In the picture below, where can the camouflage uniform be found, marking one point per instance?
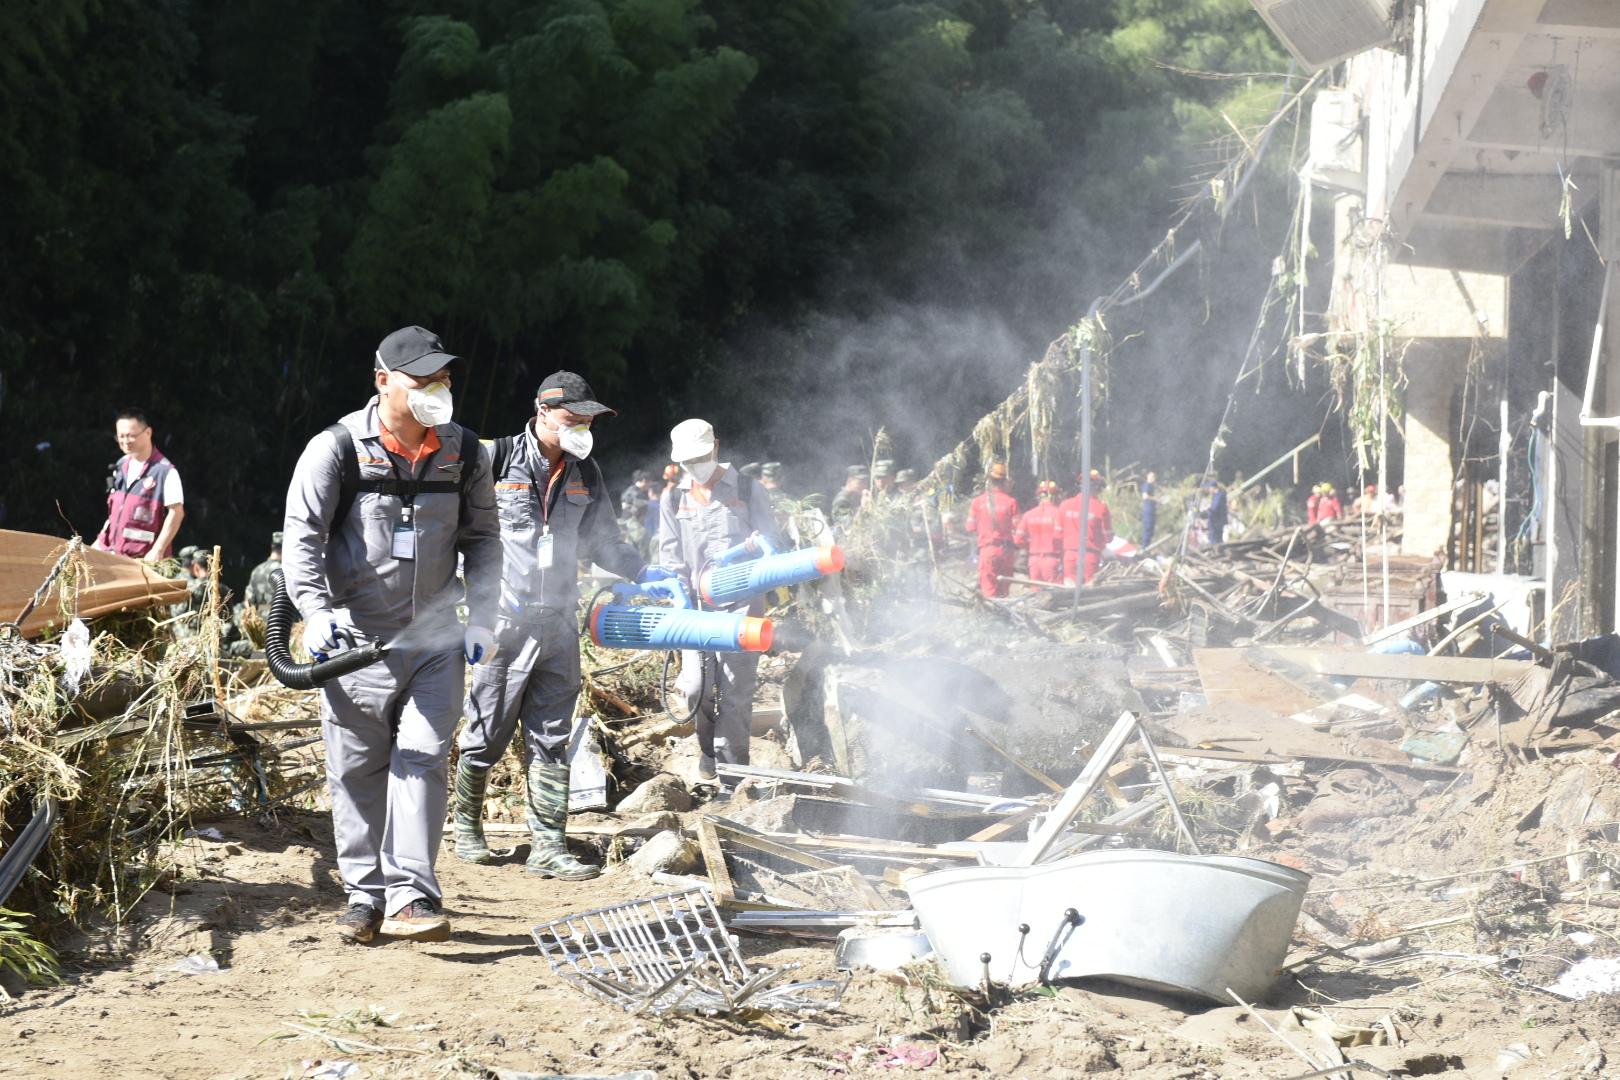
(259, 590)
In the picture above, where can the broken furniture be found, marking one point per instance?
(670, 954)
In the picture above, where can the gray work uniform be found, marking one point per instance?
(691, 534)
(388, 727)
(535, 672)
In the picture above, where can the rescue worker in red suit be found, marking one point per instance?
(1040, 532)
(992, 516)
(1329, 508)
(1099, 526)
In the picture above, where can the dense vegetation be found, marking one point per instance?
(215, 208)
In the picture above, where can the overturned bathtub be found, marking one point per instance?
(1186, 924)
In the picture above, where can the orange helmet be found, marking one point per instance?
(998, 471)
(1047, 487)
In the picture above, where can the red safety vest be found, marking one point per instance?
(135, 509)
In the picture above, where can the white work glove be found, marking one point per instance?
(320, 634)
(478, 645)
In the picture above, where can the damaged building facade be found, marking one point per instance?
(1469, 149)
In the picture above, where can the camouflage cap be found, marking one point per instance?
(185, 553)
(275, 539)
(752, 469)
(858, 472)
(905, 476)
(882, 468)
(772, 469)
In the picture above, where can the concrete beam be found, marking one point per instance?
(1511, 120)
(1489, 249)
(1581, 16)
(1526, 202)
(1466, 66)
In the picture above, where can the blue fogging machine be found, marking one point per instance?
(752, 568)
(648, 626)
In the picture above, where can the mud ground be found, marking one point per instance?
(261, 902)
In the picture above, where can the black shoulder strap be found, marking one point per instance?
(350, 484)
(349, 477)
(500, 455)
(469, 460)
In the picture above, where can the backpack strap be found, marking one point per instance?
(349, 477)
(500, 454)
(351, 484)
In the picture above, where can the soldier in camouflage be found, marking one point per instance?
(259, 590)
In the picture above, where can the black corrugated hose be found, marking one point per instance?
(278, 655)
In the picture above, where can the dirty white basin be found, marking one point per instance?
(1193, 924)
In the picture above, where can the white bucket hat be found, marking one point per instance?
(690, 440)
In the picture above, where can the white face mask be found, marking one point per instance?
(701, 471)
(431, 406)
(576, 441)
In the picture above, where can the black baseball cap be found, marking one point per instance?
(565, 390)
(414, 351)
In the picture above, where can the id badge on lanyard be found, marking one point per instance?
(543, 554)
(404, 542)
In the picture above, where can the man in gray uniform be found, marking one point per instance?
(555, 512)
(381, 504)
(715, 508)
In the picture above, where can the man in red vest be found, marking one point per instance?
(145, 502)
(992, 516)
(1040, 531)
(1097, 520)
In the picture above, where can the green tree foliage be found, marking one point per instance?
(216, 208)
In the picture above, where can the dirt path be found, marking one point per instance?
(261, 901)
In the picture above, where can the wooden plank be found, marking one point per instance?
(1397, 629)
(1004, 828)
(714, 861)
(1360, 665)
(1227, 676)
(1267, 759)
(833, 718)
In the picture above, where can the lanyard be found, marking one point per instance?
(549, 499)
(408, 501)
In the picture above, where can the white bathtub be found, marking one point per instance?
(1194, 924)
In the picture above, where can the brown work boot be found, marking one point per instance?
(359, 923)
(419, 920)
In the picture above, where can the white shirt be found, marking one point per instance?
(173, 493)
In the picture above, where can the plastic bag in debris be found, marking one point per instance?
(337, 1069)
(198, 964)
(75, 647)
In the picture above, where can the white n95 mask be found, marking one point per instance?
(701, 471)
(576, 441)
(431, 406)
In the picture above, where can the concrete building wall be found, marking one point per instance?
(1434, 367)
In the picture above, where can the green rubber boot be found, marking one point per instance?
(548, 814)
(471, 782)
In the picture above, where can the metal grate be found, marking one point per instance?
(670, 953)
